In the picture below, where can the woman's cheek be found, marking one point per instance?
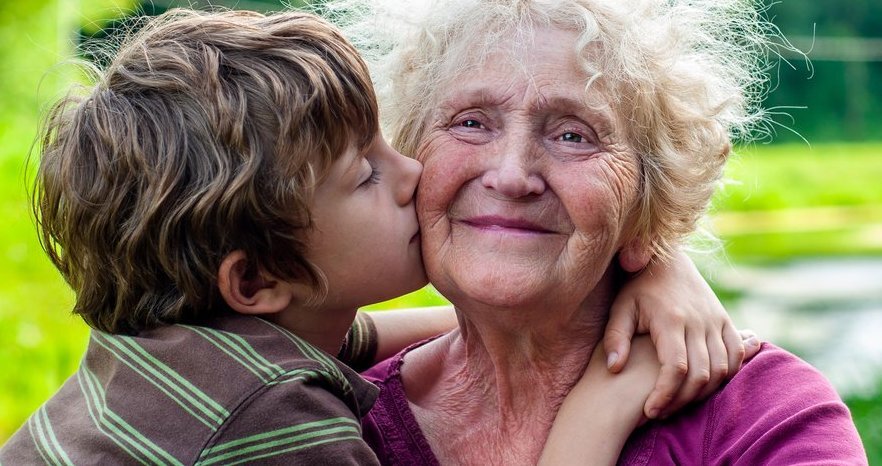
(430, 144)
(448, 165)
(435, 192)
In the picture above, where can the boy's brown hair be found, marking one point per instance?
(206, 133)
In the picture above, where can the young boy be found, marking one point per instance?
(222, 203)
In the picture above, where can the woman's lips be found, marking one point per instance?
(504, 224)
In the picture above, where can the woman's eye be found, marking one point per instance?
(572, 137)
(472, 127)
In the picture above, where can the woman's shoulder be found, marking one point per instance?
(775, 383)
(778, 409)
(388, 369)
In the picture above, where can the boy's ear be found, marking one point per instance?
(251, 293)
(634, 256)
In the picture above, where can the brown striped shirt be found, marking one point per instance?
(239, 390)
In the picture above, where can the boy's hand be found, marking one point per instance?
(602, 409)
(698, 346)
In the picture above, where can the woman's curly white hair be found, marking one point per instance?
(684, 77)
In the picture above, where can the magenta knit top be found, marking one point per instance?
(777, 410)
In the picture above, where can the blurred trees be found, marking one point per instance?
(842, 87)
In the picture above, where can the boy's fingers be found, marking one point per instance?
(720, 357)
(719, 365)
(698, 374)
(617, 337)
(674, 366)
(735, 348)
(751, 343)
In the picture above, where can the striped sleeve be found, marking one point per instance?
(360, 346)
(295, 421)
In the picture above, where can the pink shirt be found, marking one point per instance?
(777, 410)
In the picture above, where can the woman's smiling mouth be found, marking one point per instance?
(505, 225)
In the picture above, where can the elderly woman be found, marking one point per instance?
(563, 142)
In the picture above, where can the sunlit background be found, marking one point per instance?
(800, 219)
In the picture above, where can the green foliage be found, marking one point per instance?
(839, 98)
(425, 297)
(41, 343)
(833, 17)
(866, 412)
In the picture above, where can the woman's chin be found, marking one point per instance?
(510, 286)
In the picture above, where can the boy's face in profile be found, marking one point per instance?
(366, 235)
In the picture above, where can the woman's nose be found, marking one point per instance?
(512, 176)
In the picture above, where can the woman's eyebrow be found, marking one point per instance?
(595, 113)
(476, 96)
(570, 104)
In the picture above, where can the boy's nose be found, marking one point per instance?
(411, 170)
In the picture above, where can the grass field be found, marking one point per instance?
(793, 176)
(787, 201)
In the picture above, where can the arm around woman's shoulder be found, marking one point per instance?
(780, 410)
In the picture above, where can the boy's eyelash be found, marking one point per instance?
(374, 178)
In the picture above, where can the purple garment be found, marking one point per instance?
(777, 410)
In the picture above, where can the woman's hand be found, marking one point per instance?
(697, 344)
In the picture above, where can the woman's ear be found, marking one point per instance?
(249, 292)
(634, 256)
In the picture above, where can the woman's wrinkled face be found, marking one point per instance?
(526, 185)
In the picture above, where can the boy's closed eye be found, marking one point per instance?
(373, 176)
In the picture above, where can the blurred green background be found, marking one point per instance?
(800, 219)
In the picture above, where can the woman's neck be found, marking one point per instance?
(502, 377)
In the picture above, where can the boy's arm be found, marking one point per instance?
(602, 409)
(697, 344)
(399, 328)
(378, 335)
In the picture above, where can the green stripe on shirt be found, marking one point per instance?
(38, 445)
(115, 427)
(45, 438)
(180, 390)
(315, 354)
(93, 400)
(237, 348)
(355, 437)
(291, 438)
(299, 374)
